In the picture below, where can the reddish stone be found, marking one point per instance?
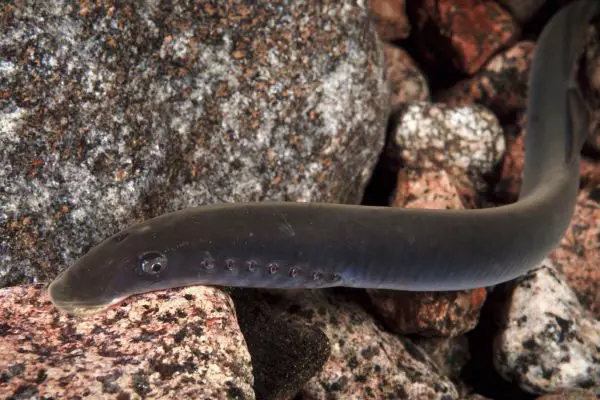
(391, 22)
(432, 189)
(590, 173)
(578, 256)
(429, 313)
(464, 32)
(507, 188)
(406, 82)
(164, 345)
(501, 85)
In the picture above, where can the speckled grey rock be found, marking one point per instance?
(175, 344)
(407, 82)
(366, 362)
(462, 140)
(113, 114)
(549, 342)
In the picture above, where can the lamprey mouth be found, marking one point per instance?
(81, 308)
(75, 306)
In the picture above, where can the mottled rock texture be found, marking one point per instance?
(465, 33)
(579, 250)
(578, 255)
(500, 85)
(407, 83)
(366, 361)
(114, 112)
(166, 345)
(548, 341)
(390, 18)
(429, 314)
(465, 141)
(427, 189)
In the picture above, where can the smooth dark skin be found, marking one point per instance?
(299, 245)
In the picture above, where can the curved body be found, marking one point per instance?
(299, 245)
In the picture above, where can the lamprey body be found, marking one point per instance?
(304, 245)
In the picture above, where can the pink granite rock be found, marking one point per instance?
(501, 85)
(407, 83)
(431, 189)
(366, 361)
(391, 22)
(429, 314)
(175, 344)
(578, 256)
(464, 32)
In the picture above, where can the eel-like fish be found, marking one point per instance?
(316, 245)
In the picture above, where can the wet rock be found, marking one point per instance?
(579, 251)
(430, 313)
(390, 18)
(407, 83)
(181, 343)
(463, 141)
(112, 114)
(501, 85)
(431, 189)
(465, 33)
(366, 361)
(548, 342)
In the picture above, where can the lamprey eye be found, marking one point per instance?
(153, 263)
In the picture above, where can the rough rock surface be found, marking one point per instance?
(112, 114)
(390, 18)
(501, 84)
(465, 33)
(465, 141)
(579, 250)
(166, 345)
(426, 189)
(366, 362)
(449, 354)
(578, 254)
(407, 83)
(429, 314)
(548, 342)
